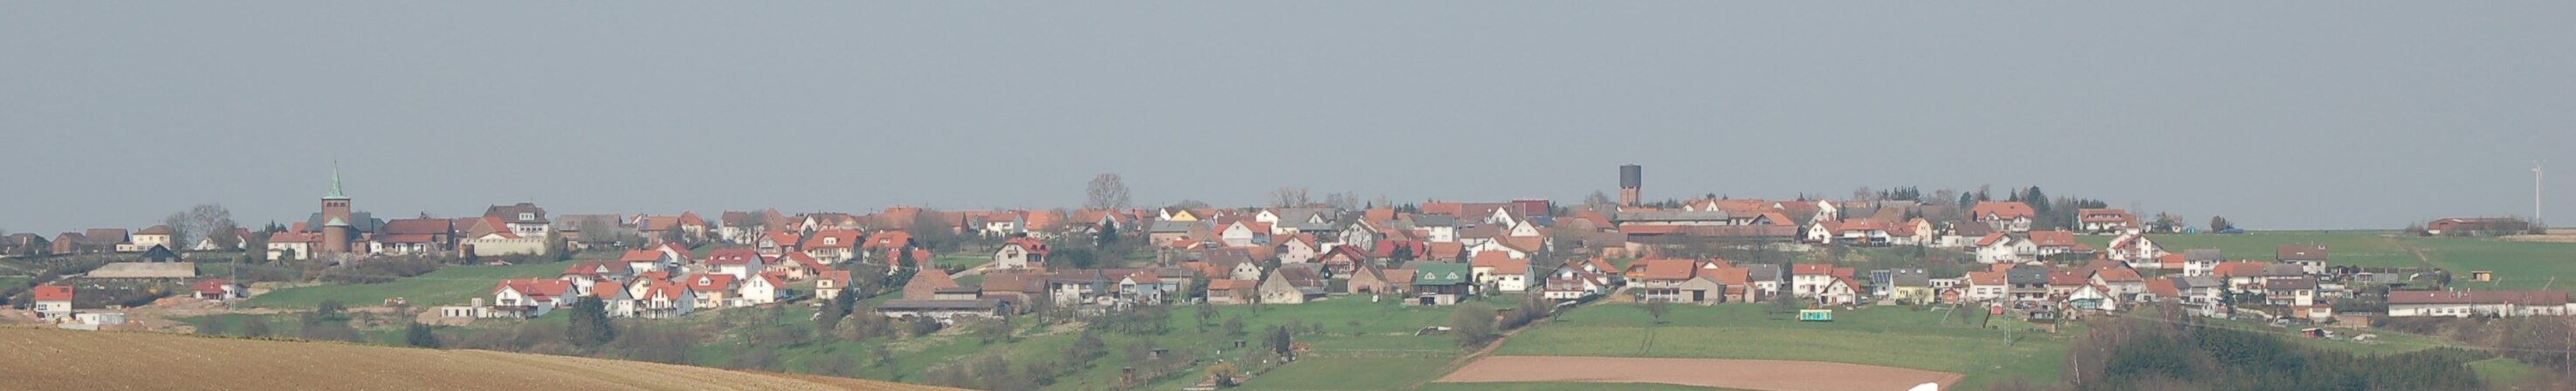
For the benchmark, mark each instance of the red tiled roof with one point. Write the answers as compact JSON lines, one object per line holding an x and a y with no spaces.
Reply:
{"x":1668,"y":269}
{"x":732,"y":256}
{"x":783,"y":239}
{"x":2163,"y":287}
{"x":2003,"y":209}
{"x":418,"y":226}
{"x":53,"y":293}
{"x":709,"y":282}
{"x":536,"y":288}
{"x":211,"y":286}
{"x":2121,"y":274}
{"x":2171,"y":261}
{"x":887,"y":239}
{"x":2052,"y":238}
{"x":2068,"y":277}
{"x":607,"y":290}
{"x":831,"y":238}
{"x":1811,"y":269}
{"x":1230,"y":284}
{"x":1986,"y":278}
{"x":2238,"y":269}
{"x":641,"y":256}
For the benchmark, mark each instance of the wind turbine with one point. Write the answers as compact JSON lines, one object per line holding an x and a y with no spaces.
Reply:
{"x":2535,"y":191}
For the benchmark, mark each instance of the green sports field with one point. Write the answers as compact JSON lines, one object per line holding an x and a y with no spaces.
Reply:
{"x":453,"y":285}
{"x":1887,"y":336}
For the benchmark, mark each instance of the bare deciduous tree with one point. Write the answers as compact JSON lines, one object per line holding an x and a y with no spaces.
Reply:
{"x":1599,"y":201}
{"x":1108,"y":191}
{"x":201,"y":222}
{"x":1287,"y":197}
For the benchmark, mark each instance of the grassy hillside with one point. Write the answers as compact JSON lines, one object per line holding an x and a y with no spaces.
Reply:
{"x":453,"y":285}
{"x":2517,"y":265}
{"x":1888,"y":336}
{"x":152,"y":360}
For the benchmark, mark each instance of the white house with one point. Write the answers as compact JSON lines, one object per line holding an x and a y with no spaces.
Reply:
{"x":615,"y":298}
{"x":742,"y":263}
{"x":529,"y":298}
{"x":665,"y":300}
{"x":53,"y":301}
{"x":763,"y":289}
{"x":2000,"y":248}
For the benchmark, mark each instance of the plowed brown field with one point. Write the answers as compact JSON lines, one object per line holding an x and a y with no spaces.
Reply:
{"x":47,"y":359}
{"x":1770,"y":375}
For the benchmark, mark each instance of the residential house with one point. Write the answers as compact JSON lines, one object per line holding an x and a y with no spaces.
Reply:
{"x":1841,"y":290}
{"x":1679,"y":280}
{"x":612,"y":271}
{"x":1297,"y":248}
{"x":215,"y":289}
{"x":2051,"y":244}
{"x":1442,"y":283}
{"x":2027,"y":284}
{"x":157,"y":235}
{"x":2000,"y":248}
{"x":1373,"y":280}
{"x":663,"y":299}
{"x":529,"y":298}
{"x":1342,"y":260}
{"x":926,"y":284}
{"x":833,"y":245}
{"x":2093,"y":298}
{"x":1292,"y":285}
{"x":523,"y":219}
{"x":2292,"y":292}
{"x":2062,"y":284}
{"x":1020,"y":253}
{"x":2006,"y":216}
{"x":1911,"y":287}
{"x":418,"y":236}
{"x":2201,"y":261}
{"x":1811,"y":280}
{"x":2105,"y":221}
{"x":742,"y":263}
{"x":833,"y":282}
{"x":763,"y":289}
{"x":776,"y":243}
{"x":2136,"y":249}
{"x":2311,"y":257}
{"x":53,"y":302}
{"x":715,"y":290}
{"x":1501,"y":272}
{"x":1231,"y":291}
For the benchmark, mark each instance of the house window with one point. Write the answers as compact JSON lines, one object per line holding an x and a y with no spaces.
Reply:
{"x":527,"y":216}
{"x":830,"y":241}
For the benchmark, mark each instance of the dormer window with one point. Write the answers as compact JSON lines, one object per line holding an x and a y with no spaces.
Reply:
{"x":527,"y":216}
{"x":831,"y":240}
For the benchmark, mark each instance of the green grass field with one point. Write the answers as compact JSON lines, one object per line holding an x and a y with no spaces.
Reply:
{"x":959,"y":261}
{"x":453,"y":285}
{"x":1350,"y":373}
{"x":1888,"y":336}
{"x":2517,"y":265}
{"x":2504,"y":371}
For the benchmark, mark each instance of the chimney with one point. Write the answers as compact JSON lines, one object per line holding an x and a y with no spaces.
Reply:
{"x":1631,"y":177}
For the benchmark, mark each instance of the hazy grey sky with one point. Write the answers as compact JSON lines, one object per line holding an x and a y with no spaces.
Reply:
{"x":2278,"y":115}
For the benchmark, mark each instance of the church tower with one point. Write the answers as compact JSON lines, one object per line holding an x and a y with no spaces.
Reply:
{"x":336,"y":231}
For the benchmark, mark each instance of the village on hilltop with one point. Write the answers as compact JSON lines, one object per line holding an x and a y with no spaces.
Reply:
{"x":2004,"y":255}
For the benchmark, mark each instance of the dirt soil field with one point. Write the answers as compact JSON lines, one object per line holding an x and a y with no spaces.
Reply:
{"x":62,"y":360}
{"x":1721,"y":373}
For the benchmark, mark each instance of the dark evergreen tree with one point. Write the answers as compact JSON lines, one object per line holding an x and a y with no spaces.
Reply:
{"x":589,"y":323}
{"x":419,"y":335}
{"x":1108,"y":234}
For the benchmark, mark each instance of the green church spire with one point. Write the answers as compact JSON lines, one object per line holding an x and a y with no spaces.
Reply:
{"x":335,"y":183}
